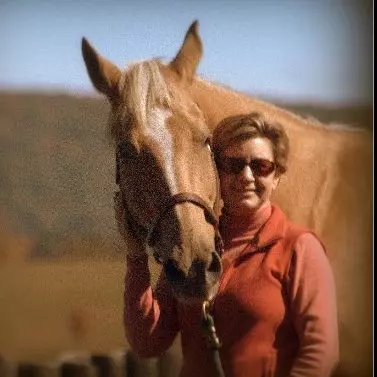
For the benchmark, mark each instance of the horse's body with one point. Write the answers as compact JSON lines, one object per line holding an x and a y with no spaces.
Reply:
{"x":328,"y":186}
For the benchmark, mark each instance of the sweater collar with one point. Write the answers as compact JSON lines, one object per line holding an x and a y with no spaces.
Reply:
{"x":275,"y":230}
{"x":241,"y":226}
{"x":254,"y":226}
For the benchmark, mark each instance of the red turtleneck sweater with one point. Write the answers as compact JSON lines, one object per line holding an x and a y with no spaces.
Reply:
{"x":275,"y":312}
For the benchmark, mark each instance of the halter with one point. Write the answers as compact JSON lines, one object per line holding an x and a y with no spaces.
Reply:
{"x":149,"y":234}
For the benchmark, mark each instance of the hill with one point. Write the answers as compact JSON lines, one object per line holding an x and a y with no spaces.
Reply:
{"x":57,"y":171}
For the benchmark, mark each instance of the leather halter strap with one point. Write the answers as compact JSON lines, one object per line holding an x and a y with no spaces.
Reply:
{"x":185,"y":197}
{"x":148,"y":235}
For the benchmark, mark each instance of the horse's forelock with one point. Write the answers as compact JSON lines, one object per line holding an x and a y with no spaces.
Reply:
{"x":142,"y":89}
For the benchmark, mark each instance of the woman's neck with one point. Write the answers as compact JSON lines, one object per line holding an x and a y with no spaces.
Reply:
{"x":234,"y":225}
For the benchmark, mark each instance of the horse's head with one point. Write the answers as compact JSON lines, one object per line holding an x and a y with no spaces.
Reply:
{"x":166,"y":171}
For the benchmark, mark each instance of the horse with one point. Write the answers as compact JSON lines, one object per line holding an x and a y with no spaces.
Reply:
{"x":161,"y":119}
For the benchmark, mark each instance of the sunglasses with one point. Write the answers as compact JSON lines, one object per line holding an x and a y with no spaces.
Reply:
{"x":233,"y":165}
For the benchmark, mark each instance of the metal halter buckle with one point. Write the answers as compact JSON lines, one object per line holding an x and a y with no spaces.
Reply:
{"x":208,"y":324}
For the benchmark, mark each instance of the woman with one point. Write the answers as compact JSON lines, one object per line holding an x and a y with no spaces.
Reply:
{"x":275,"y":311}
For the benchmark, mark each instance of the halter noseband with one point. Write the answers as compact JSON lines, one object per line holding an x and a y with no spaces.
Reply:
{"x":149,"y":235}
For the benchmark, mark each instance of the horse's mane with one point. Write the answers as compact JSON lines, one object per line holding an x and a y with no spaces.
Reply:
{"x":143,"y":87}
{"x":308,"y":120}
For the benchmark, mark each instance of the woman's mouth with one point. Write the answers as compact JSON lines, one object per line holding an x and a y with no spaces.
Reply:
{"x":246,"y":192}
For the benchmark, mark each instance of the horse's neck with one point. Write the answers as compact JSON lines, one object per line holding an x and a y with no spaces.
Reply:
{"x":218,"y":102}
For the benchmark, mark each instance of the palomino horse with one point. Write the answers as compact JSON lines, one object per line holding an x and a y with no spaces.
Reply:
{"x":161,"y":119}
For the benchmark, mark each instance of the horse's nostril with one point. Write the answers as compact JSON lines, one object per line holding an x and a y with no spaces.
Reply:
{"x":198,"y":272}
{"x":172,"y":272}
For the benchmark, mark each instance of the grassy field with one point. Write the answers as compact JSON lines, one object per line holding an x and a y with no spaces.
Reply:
{"x":51,"y":308}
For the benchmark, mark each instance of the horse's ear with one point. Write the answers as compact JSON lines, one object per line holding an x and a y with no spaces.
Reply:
{"x":188,"y":57}
{"x":104,"y":75}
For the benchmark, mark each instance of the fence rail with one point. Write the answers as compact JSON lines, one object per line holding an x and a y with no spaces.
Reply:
{"x":117,"y":364}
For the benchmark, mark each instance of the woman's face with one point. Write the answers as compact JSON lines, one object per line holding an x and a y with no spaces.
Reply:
{"x":245,"y":188}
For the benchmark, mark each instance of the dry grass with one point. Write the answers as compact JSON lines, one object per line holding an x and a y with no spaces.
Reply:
{"x":51,"y":308}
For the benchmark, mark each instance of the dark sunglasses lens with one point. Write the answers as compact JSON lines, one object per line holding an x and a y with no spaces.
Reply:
{"x":262,"y":168}
{"x":231,"y":165}
{"x":236,"y":165}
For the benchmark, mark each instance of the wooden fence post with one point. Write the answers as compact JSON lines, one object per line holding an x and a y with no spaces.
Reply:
{"x":112,"y":365}
{"x":7,"y":368}
{"x":141,"y":367}
{"x":115,"y":364}
{"x":170,"y":364}
{"x":72,"y":369}
{"x":37,"y":370}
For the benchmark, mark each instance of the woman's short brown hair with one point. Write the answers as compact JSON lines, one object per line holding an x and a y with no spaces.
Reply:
{"x":245,"y":126}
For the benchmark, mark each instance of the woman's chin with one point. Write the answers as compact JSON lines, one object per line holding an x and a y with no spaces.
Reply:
{"x":246,"y":205}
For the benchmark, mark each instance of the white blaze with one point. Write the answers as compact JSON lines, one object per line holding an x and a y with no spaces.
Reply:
{"x":158,"y":131}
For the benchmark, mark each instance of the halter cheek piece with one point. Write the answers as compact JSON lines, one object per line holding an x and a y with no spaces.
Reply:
{"x":149,"y":235}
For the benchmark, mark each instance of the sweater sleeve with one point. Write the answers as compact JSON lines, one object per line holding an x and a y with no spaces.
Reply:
{"x":313,"y":308}
{"x":150,"y":316}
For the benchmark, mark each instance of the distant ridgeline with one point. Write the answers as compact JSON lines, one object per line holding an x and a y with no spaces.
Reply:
{"x":57,"y":170}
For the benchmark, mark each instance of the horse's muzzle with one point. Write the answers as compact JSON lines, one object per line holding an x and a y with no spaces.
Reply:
{"x":199,"y":282}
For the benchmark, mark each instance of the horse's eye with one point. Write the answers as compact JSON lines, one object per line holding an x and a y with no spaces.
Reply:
{"x":126,"y":150}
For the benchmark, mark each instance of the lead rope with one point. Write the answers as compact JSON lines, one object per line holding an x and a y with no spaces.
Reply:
{"x":213,"y":341}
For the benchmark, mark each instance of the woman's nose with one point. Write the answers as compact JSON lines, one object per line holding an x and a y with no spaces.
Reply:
{"x":247,"y":174}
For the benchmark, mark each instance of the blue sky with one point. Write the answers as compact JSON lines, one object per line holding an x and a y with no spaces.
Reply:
{"x":302,"y":50}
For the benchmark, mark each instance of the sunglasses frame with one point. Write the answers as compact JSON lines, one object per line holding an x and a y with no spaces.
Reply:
{"x":225,"y":165}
